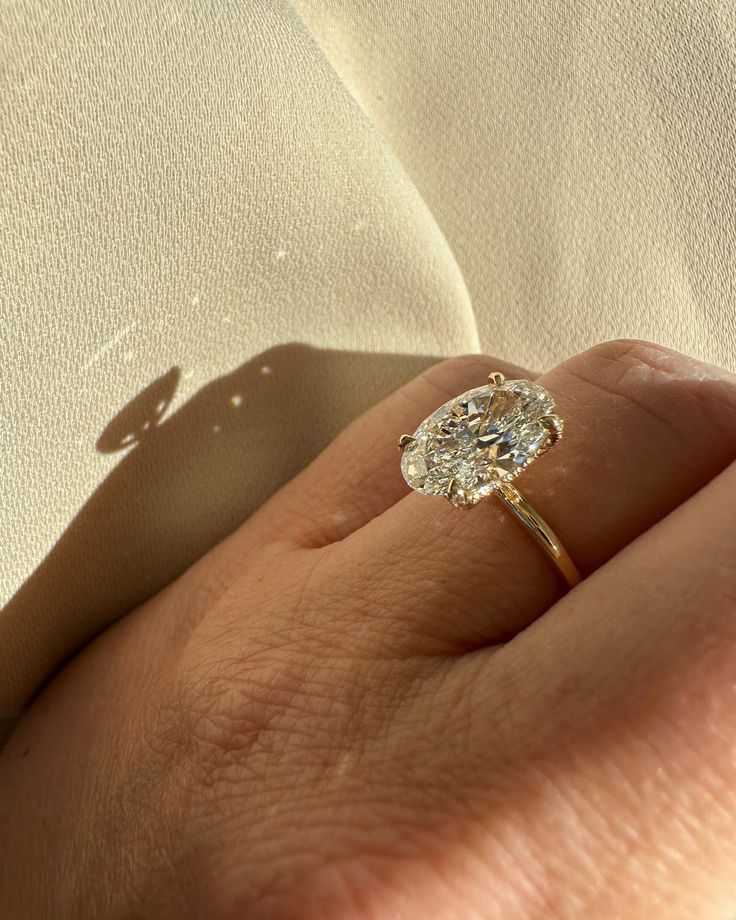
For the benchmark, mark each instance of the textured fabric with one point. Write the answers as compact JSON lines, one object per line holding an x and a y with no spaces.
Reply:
{"x":228,"y":227}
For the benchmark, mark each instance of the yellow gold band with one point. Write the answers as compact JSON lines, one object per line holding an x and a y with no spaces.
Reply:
{"x":540,"y":530}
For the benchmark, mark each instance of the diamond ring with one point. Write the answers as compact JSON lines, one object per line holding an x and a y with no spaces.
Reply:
{"x":475,"y":444}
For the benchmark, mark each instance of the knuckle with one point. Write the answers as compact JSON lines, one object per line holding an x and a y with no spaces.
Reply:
{"x":625,"y":348}
{"x":613,"y":361}
{"x":669,"y":388}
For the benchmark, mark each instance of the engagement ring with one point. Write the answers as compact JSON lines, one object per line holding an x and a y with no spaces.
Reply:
{"x":475,"y":444}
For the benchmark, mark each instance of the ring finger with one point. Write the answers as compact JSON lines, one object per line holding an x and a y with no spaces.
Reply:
{"x":645,"y":428}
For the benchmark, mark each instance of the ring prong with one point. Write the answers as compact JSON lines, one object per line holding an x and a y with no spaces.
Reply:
{"x":405,"y":440}
{"x":554,"y":425}
{"x":495,"y":379}
{"x":455,"y":495}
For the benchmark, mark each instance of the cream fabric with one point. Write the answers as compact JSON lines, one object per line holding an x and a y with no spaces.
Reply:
{"x":228,"y":227}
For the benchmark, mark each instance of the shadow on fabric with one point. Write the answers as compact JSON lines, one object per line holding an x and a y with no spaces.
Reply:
{"x":184,"y":482}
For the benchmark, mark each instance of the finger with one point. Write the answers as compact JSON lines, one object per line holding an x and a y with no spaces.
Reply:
{"x":645,"y":428}
{"x":358,"y":476}
{"x":620,"y":713}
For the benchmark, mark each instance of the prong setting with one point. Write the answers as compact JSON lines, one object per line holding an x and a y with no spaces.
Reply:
{"x":495,"y":379}
{"x":405,"y":440}
{"x":455,"y":495}
{"x":554,"y":425}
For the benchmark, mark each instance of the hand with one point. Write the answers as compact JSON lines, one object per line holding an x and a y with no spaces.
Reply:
{"x":368,"y":704}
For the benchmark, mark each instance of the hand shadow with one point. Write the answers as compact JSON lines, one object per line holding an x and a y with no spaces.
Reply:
{"x":185,"y":482}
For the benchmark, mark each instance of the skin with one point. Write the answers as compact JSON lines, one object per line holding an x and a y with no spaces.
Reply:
{"x":368,"y":704}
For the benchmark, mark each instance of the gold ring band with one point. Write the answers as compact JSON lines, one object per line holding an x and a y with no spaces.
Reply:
{"x":540,"y":530}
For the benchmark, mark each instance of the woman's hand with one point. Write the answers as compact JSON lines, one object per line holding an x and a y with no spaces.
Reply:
{"x":370,"y":704}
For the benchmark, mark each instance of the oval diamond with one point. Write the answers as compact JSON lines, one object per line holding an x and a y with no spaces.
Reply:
{"x":478,"y":439}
